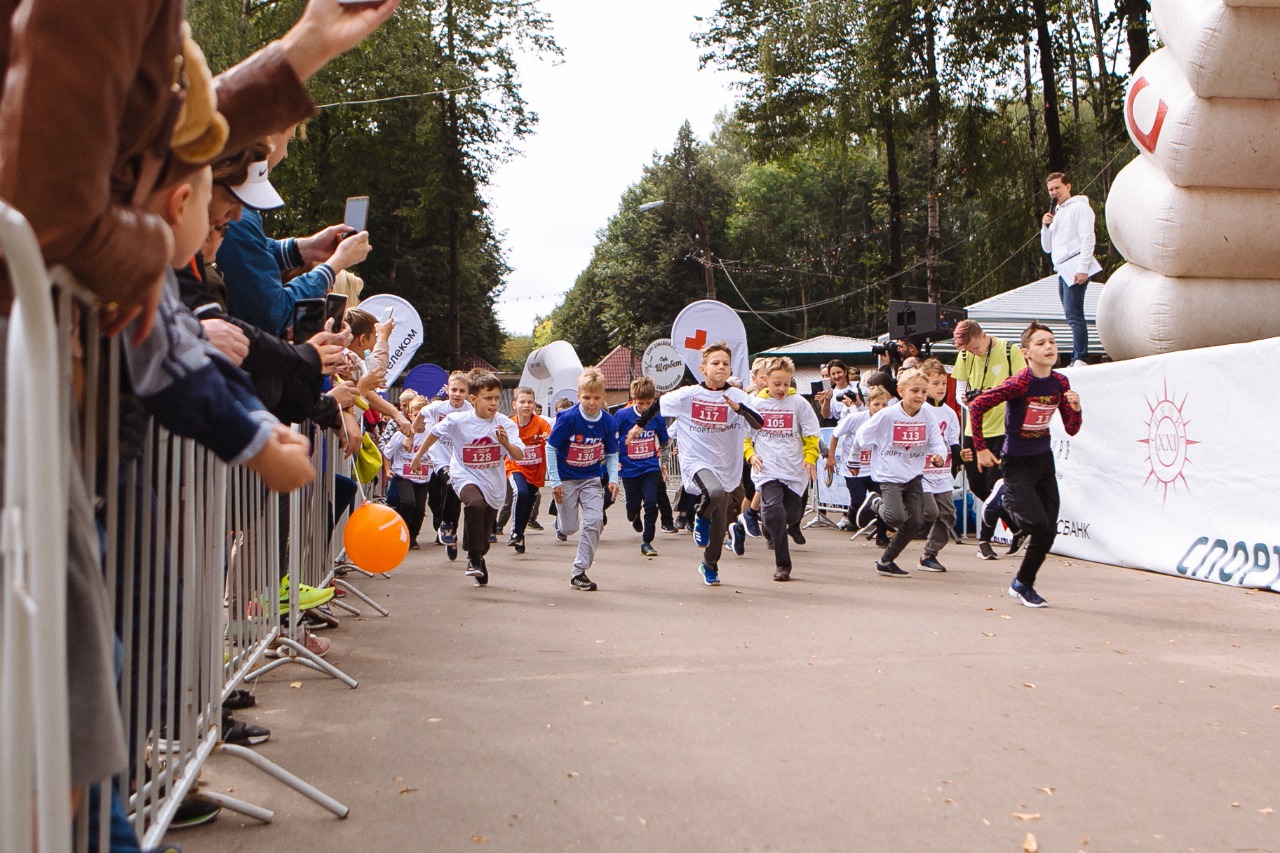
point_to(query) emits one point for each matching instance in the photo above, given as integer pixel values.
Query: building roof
(1006, 314)
(617, 373)
(822, 348)
(475, 362)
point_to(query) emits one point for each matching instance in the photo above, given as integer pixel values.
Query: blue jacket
(251, 263)
(583, 448)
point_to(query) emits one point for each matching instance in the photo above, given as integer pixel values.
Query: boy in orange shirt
(526, 476)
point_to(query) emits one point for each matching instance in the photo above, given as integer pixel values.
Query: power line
(398, 97)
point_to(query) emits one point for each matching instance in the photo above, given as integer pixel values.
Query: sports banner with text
(1177, 466)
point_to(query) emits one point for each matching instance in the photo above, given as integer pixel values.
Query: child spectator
(411, 489)
(937, 479)
(526, 476)
(847, 458)
(479, 439)
(585, 440)
(1031, 396)
(445, 507)
(641, 462)
(708, 416)
(782, 454)
(902, 436)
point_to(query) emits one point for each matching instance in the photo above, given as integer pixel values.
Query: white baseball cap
(256, 191)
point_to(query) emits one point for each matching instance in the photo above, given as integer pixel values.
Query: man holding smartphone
(253, 264)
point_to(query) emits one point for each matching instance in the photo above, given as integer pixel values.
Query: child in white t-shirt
(902, 436)
(782, 453)
(442, 499)
(937, 483)
(410, 489)
(481, 440)
(708, 415)
(845, 457)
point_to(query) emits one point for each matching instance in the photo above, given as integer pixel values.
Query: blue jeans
(1072, 296)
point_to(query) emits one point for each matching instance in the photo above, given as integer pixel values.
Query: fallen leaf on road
(296, 685)
(990, 608)
(1028, 684)
(987, 634)
(1235, 805)
(1026, 815)
(479, 839)
(397, 778)
(407, 790)
(572, 775)
(1029, 844)
(948, 801)
(1267, 810)
(1005, 616)
(433, 719)
(1045, 790)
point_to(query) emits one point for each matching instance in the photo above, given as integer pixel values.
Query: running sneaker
(560, 535)
(308, 596)
(891, 569)
(737, 539)
(1016, 541)
(194, 811)
(636, 524)
(414, 546)
(931, 564)
(583, 583)
(868, 511)
(843, 523)
(239, 733)
(493, 537)
(475, 568)
(750, 521)
(451, 551)
(533, 525)
(782, 573)
(511, 543)
(986, 552)
(796, 534)
(647, 550)
(1025, 594)
(670, 528)
(701, 532)
(448, 534)
(517, 542)
(710, 576)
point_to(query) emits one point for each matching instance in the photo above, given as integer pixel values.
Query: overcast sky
(629, 79)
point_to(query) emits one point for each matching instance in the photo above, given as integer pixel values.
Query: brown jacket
(89, 89)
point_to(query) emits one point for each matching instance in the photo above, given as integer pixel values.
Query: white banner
(706, 322)
(406, 337)
(1177, 466)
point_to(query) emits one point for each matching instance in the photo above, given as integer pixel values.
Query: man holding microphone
(1067, 235)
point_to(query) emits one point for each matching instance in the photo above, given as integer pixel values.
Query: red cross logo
(698, 341)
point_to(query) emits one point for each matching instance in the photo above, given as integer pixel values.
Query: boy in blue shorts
(641, 463)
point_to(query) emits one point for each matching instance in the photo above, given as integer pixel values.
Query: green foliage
(422, 160)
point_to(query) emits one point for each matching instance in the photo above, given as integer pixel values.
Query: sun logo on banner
(1167, 443)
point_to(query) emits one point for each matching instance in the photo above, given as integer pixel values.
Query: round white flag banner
(705, 322)
(406, 337)
(662, 363)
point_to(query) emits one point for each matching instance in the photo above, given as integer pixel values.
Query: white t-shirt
(399, 452)
(710, 432)
(780, 441)
(938, 480)
(478, 458)
(852, 459)
(442, 451)
(901, 442)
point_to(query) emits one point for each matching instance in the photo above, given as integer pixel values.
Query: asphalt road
(842, 711)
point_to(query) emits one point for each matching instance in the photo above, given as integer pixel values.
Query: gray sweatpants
(904, 509)
(585, 497)
(945, 519)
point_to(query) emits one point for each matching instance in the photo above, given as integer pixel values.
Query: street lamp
(708, 272)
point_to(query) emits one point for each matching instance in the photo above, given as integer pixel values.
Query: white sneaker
(1079, 362)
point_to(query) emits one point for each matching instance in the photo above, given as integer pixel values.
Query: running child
(937, 479)
(783, 454)
(479, 439)
(527, 475)
(641, 462)
(1031, 396)
(585, 440)
(443, 501)
(845, 457)
(411, 490)
(708, 416)
(902, 436)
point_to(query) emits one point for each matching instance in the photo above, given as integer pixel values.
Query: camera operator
(983, 363)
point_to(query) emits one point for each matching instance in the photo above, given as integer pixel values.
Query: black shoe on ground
(868, 511)
(931, 564)
(636, 523)
(882, 540)
(647, 550)
(194, 811)
(891, 570)
(414, 546)
(986, 552)
(1016, 541)
(533, 525)
(239, 699)
(782, 573)
(670, 528)
(451, 551)
(583, 583)
(796, 534)
(239, 733)
(475, 568)
(517, 542)
(737, 539)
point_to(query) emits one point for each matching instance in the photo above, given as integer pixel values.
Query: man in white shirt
(1067, 235)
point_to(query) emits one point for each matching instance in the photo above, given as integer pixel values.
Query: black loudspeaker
(922, 321)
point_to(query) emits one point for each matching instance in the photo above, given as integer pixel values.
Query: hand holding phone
(335, 311)
(357, 213)
(308, 319)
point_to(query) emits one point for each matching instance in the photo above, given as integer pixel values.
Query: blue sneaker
(1026, 595)
(750, 521)
(710, 576)
(448, 535)
(737, 539)
(701, 532)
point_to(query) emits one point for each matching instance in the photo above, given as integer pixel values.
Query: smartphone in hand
(335, 309)
(357, 214)
(308, 319)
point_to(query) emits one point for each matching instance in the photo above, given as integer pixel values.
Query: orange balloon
(376, 538)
